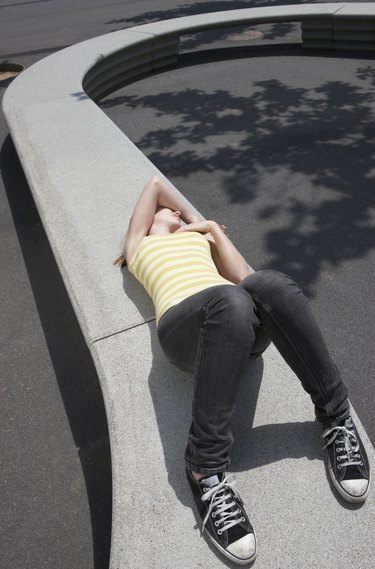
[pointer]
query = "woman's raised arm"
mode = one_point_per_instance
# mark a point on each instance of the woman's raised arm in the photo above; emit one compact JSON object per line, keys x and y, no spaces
{"x":155,"y":193}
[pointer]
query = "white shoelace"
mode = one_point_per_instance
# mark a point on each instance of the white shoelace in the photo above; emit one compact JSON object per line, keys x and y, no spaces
{"x":221,"y":502}
{"x":350,"y":448}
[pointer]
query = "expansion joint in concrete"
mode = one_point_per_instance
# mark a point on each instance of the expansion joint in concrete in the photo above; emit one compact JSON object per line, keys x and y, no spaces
{"x":121,"y":331}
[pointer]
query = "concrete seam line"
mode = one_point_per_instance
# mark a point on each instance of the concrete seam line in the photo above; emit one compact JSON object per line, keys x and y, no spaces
{"x":338,"y":10}
{"x":96,"y":340}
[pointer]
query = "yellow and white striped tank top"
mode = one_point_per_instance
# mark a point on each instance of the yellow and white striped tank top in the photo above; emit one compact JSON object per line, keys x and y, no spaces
{"x":174,"y":266}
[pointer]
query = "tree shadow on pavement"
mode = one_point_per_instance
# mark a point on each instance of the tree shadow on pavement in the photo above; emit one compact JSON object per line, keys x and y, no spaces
{"x":74,"y":369}
{"x":274,"y":30}
{"x":196,"y":8}
{"x":272,"y":140}
{"x":13,"y":4}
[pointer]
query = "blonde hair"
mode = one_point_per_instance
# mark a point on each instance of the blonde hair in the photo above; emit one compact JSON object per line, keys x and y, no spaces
{"x":120,"y":261}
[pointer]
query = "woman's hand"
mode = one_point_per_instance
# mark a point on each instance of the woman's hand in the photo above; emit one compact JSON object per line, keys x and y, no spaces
{"x":202,"y":226}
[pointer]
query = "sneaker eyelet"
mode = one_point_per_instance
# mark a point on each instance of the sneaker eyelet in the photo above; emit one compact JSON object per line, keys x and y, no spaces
{"x":243,"y":519}
{"x":361,"y":463}
{"x":339,"y":467}
{"x":219,"y":532}
{"x":217,"y":524}
{"x":204,"y":489}
{"x":213,"y":515}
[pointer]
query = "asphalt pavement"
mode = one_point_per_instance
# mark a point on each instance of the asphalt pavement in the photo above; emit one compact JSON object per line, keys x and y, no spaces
{"x":275,"y":143}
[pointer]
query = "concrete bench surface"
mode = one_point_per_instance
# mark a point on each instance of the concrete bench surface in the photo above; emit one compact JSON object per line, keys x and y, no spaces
{"x":85,"y":176}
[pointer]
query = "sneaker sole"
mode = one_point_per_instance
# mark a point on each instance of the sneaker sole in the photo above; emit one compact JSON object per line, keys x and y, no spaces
{"x":228,"y":555}
{"x":343,"y":493}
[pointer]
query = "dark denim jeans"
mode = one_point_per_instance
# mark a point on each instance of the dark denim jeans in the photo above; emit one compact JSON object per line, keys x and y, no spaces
{"x":214,"y":334}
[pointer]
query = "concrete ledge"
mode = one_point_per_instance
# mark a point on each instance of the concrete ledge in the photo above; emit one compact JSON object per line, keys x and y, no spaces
{"x":277,"y":458}
{"x":351,"y":27}
{"x":85,"y":176}
{"x":354,"y":27}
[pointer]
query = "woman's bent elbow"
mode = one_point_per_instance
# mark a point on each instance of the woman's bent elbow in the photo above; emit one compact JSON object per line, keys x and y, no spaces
{"x":155,"y":180}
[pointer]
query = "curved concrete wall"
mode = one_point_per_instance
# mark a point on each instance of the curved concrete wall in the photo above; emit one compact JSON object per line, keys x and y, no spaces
{"x":85,"y":176}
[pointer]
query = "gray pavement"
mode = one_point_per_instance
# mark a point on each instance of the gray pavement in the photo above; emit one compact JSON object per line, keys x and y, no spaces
{"x":57,"y":491}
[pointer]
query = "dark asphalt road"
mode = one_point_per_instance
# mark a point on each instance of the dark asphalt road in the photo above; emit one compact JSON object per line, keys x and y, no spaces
{"x":276,"y":144}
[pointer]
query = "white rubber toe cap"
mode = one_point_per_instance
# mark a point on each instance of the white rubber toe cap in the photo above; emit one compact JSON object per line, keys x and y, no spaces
{"x":243,"y":548}
{"x":355,"y":487}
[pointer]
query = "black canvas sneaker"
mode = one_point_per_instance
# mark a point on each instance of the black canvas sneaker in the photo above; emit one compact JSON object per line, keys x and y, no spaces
{"x":347,"y":461}
{"x":224,"y":518}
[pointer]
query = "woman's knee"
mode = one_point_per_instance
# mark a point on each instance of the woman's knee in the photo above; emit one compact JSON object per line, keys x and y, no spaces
{"x":269,"y":282}
{"x":231,"y":304}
